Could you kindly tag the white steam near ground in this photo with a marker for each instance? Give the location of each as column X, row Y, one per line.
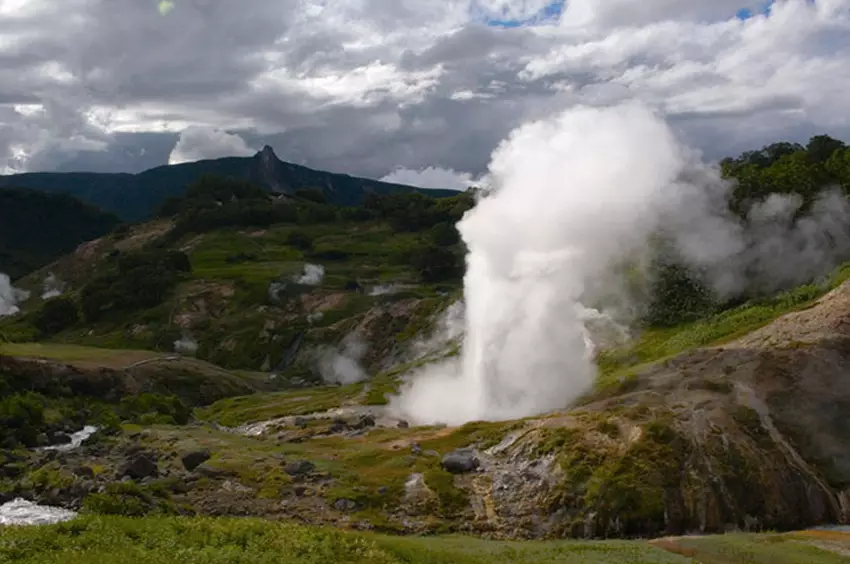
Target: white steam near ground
column 312, row 276
column 52, row 287
column 571, row 200
column 10, row 297
column 342, row 365
column 186, row 345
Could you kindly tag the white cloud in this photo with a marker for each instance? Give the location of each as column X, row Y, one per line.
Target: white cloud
column 198, row 143
column 367, row 86
column 431, row 177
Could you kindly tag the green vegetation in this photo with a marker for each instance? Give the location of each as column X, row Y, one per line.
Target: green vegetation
column 658, row 343
column 133, row 282
column 37, row 228
column 233, row 412
column 165, row 540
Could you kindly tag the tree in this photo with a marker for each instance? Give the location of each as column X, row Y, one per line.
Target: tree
column 821, row 147
column 444, row 234
column 56, row 315
column 438, row 264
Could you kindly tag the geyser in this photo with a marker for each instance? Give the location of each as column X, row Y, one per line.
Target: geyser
column 570, row 198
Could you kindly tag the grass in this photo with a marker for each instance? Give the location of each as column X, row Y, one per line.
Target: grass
column 617, row 366
column 76, row 353
column 165, row 540
column 233, row 412
column 811, row 547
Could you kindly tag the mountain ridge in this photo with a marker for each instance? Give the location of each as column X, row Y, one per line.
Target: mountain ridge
column 135, row 197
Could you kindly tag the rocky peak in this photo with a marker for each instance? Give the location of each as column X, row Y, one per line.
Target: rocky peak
column 267, row 153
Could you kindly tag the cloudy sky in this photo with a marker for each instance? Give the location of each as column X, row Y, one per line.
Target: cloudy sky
column 420, row 90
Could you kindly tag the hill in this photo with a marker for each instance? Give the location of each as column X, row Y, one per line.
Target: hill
column 135, row 197
column 36, row 228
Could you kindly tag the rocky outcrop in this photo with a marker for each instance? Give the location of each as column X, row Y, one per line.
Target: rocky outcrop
column 749, row 436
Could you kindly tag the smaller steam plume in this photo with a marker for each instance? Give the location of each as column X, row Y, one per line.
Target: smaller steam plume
column 10, row 297
column 385, row 289
column 313, row 275
column 186, row 345
column 342, row 365
column 275, row 288
column 52, row 287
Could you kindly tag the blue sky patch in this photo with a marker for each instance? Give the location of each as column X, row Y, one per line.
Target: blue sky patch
column 550, row 13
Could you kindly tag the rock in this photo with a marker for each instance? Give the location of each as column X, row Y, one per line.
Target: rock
column 138, row 467
column 58, row 438
column 299, row 467
column 337, row 427
column 84, row 472
column 460, row 461
column 301, row 422
column 415, row 448
column 208, row 471
column 194, row 459
column 364, row 422
column 403, row 424
column 345, row 505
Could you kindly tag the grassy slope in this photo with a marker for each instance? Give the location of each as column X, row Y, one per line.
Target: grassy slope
column 229, row 301
column 209, row 541
column 654, row 345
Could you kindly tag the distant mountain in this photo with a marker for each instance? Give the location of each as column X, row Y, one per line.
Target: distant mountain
column 37, row 228
column 135, row 197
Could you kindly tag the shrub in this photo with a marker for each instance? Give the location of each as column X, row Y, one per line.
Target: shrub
column 21, row 420
column 300, row 240
column 135, row 281
column 56, row 315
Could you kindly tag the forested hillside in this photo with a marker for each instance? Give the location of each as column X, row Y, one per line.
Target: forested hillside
column 36, row 228
column 135, row 197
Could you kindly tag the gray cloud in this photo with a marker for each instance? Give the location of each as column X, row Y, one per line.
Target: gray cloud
column 371, row 86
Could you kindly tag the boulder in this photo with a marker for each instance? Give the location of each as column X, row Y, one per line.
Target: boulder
column 299, row 467
column 194, row 459
column 139, row 466
column 460, row 461
column 58, row 438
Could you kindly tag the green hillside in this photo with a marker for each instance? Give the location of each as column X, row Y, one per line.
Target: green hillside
column 37, row 228
column 135, row 197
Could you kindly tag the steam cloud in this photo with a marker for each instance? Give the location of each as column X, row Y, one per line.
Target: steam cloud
column 10, row 296
column 342, row 366
column 313, row 275
column 186, row 345
column 570, row 201
column 52, row 287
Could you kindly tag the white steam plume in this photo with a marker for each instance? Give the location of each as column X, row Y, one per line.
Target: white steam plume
column 186, row 345
column 572, row 203
column 52, row 287
column 342, row 366
column 571, row 199
column 313, row 275
column 10, row 296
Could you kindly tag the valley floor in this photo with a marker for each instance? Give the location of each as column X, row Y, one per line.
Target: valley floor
column 161, row 540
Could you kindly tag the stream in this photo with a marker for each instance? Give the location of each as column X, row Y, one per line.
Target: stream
column 21, row 512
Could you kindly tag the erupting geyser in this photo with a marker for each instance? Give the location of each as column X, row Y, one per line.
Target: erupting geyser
column 570, row 198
